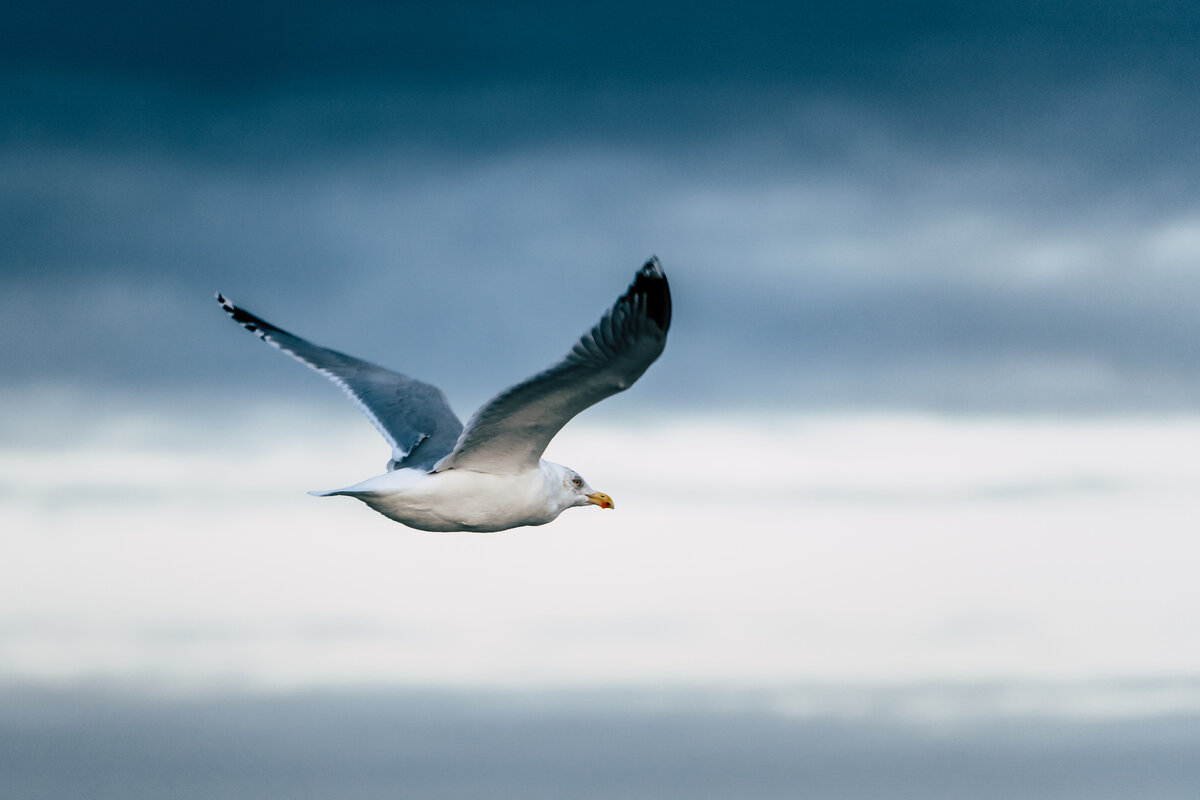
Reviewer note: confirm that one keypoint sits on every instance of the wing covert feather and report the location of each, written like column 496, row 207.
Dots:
column 413, row 416
column 510, row 432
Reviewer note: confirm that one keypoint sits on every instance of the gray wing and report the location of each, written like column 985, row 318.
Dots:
column 511, row 431
column 413, row 416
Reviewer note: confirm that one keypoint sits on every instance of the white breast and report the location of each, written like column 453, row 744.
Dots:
column 459, row 500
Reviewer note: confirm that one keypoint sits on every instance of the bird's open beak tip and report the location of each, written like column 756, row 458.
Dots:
column 600, row 499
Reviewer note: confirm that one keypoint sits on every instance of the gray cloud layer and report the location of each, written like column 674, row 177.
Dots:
column 961, row 207
column 56, row 744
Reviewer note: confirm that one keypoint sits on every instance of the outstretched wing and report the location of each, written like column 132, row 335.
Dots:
column 511, row 431
column 413, row 416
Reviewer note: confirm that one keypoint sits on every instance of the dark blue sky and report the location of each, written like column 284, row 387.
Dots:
column 953, row 206
column 210, row 79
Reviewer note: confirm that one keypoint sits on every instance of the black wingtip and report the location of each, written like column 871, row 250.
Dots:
column 651, row 284
column 244, row 318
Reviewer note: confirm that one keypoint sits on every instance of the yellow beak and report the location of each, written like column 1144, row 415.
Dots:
column 600, row 499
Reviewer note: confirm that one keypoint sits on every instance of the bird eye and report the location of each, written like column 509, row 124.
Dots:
column 577, row 481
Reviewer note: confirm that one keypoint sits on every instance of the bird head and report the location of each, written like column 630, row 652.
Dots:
column 575, row 491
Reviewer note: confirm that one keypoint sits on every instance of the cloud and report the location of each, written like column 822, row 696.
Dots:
column 265, row 79
column 788, row 293
column 742, row 550
column 984, row 209
column 364, row 744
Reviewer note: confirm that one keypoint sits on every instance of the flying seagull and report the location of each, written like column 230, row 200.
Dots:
column 490, row 475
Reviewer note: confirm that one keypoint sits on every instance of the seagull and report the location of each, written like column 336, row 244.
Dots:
column 489, row 475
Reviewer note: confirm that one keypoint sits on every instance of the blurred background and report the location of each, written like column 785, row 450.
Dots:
column 908, row 507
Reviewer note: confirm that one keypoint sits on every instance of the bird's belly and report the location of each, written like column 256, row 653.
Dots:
column 473, row 503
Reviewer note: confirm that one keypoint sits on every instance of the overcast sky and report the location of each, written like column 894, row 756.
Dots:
column 862, row 207
column 871, row 214
column 966, row 207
